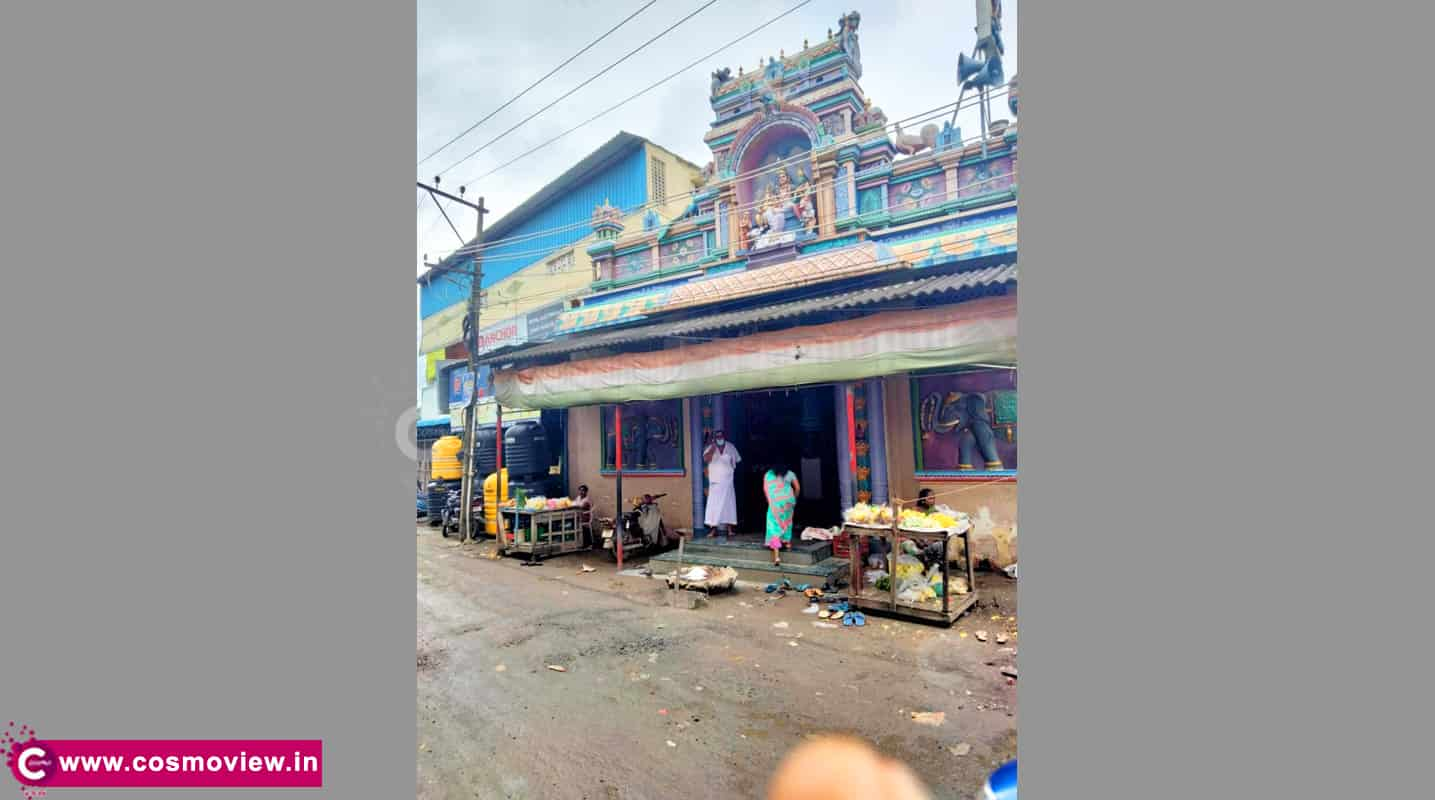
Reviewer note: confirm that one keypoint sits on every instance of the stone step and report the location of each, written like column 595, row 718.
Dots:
column 806, row 553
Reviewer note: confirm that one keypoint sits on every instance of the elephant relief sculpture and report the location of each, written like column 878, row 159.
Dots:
column 966, row 417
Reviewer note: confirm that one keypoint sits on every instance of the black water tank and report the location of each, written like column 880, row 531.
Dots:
column 486, row 439
column 525, row 449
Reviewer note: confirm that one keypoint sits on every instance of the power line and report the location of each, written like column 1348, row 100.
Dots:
column 533, row 85
column 570, row 92
column 920, row 117
column 1011, row 226
column 532, row 256
column 655, row 85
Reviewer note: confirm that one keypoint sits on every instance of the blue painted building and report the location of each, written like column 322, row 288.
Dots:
column 621, row 172
column 537, row 258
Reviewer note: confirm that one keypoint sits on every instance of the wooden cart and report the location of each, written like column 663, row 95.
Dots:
column 945, row 609
column 545, row 533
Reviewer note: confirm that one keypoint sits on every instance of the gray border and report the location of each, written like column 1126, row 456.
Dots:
column 208, row 327
column 244, row 215
column 1202, row 236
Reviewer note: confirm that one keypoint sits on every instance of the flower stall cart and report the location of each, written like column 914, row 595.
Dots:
column 543, row 532
column 906, row 587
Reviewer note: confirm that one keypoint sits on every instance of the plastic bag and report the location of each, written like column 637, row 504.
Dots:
column 873, row 575
column 907, row 566
column 915, row 590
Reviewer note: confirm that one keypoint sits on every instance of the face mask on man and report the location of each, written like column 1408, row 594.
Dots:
column 721, row 441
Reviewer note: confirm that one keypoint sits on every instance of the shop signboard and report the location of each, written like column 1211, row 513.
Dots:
column 509, row 333
column 543, row 322
column 461, row 385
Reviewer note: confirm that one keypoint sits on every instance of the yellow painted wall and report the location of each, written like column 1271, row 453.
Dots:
column 585, row 452
column 534, row 286
column 680, row 177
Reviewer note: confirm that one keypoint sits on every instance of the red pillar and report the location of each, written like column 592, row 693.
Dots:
column 618, row 442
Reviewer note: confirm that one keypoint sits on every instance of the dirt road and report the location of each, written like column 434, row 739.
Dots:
column 662, row 702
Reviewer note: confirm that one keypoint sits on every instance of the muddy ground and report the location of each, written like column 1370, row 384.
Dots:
column 664, row 702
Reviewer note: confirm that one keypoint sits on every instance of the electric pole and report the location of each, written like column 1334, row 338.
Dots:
column 471, row 345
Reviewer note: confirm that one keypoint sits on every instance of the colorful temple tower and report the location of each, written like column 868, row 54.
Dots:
column 778, row 178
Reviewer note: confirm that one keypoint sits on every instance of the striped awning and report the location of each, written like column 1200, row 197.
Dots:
column 952, row 285
column 982, row 330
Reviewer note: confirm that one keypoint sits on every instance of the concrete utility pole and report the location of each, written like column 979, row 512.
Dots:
column 471, row 345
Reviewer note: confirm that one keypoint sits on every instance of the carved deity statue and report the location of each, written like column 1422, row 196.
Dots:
column 807, row 214
column 847, row 35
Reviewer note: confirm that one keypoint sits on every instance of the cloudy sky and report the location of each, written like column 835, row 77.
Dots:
column 474, row 56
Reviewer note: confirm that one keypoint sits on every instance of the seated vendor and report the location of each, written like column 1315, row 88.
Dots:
column 584, row 503
column 926, row 501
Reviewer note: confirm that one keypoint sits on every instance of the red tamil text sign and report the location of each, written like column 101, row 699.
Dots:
column 161, row 763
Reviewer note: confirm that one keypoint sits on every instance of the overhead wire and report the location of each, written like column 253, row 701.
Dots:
column 869, row 136
column 535, row 84
column 530, row 256
column 533, row 256
column 640, row 93
column 570, row 92
column 960, row 240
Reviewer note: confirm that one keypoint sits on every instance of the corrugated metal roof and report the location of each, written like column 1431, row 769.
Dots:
column 921, row 287
column 844, row 263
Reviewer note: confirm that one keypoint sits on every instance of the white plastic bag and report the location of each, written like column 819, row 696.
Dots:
column 912, row 590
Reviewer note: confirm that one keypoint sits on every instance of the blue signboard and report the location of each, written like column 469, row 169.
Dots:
column 461, row 385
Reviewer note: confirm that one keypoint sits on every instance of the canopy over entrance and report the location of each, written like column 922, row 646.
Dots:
column 979, row 331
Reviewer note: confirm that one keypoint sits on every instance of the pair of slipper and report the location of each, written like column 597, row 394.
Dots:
column 854, row 619
column 834, row 611
column 783, row 584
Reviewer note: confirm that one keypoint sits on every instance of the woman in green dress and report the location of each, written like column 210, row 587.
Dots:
column 781, row 490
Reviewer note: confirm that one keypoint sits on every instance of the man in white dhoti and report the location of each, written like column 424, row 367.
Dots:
column 722, row 460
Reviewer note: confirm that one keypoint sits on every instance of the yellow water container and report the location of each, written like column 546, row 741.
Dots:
column 444, row 458
column 491, row 500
